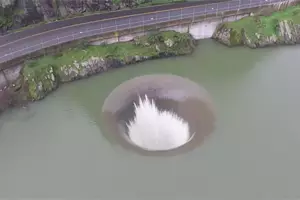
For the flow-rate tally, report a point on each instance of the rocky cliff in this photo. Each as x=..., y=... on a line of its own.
x=281, y=27
x=7, y=3
x=19, y=13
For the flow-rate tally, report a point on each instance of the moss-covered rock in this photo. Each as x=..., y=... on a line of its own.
x=40, y=80
x=168, y=43
x=43, y=75
x=92, y=60
x=84, y=68
x=228, y=36
x=281, y=27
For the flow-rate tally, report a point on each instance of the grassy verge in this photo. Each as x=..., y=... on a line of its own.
x=265, y=25
x=142, y=46
x=119, y=50
x=44, y=74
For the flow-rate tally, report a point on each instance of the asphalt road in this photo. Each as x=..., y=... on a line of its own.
x=19, y=47
x=100, y=16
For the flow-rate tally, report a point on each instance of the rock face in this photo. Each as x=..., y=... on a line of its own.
x=44, y=75
x=63, y=8
x=20, y=13
x=261, y=31
x=85, y=68
x=7, y=3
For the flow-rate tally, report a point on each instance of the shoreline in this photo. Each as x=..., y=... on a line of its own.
x=266, y=29
x=39, y=77
x=44, y=75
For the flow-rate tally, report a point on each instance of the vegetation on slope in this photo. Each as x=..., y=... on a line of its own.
x=259, y=30
x=42, y=75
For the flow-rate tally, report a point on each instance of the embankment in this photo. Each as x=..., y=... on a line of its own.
x=78, y=59
x=282, y=27
x=41, y=76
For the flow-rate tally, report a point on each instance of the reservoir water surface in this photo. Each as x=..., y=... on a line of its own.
x=55, y=148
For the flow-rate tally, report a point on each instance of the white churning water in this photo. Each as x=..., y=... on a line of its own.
x=156, y=130
x=158, y=114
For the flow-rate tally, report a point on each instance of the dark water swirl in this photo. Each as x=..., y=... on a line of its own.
x=171, y=93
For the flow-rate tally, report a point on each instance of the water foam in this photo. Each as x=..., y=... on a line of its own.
x=156, y=130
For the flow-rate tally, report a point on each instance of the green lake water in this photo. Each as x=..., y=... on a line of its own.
x=55, y=148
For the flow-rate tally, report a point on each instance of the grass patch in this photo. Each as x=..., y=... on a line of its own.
x=159, y=2
x=44, y=74
x=42, y=63
x=118, y=50
x=145, y=46
x=266, y=25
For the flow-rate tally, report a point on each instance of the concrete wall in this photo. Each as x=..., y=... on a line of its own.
x=9, y=75
x=199, y=30
x=204, y=29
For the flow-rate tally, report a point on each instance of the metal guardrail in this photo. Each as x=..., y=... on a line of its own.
x=114, y=25
x=99, y=16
